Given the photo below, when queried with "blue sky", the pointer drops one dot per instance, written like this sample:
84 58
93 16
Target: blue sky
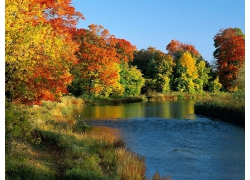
155 23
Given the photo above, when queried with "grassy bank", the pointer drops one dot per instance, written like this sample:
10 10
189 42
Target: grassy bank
174 96
112 100
229 107
58 147
152 96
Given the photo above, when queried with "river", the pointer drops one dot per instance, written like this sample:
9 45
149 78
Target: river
174 140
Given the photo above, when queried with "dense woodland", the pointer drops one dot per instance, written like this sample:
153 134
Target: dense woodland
47 57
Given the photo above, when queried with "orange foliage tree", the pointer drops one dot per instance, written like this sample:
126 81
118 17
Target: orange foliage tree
230 55
97 69
102 59
39 49
177 47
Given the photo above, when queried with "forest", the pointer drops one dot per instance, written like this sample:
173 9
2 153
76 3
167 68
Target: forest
47 57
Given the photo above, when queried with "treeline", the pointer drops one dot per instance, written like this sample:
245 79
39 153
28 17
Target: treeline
47 56
112 67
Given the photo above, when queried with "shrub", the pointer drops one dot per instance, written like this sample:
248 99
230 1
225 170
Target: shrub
87 168
17 125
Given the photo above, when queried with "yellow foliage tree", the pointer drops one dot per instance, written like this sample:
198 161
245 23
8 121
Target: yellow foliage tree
188 62
37 54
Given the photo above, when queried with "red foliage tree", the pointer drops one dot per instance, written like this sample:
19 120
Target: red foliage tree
176 46
230 55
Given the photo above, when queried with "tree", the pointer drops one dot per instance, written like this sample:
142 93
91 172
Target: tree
186 73
190 72
230 55
131 80
215 85
240 81
39 49
203 72
156 67
97 67
176 49
101 58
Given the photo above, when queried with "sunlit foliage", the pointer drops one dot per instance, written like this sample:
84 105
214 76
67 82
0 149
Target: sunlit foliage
230 55
39 49
101 58
156 67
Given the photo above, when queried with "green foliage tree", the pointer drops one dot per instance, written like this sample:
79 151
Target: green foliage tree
131 80
203 72
215 85
240 81
156 67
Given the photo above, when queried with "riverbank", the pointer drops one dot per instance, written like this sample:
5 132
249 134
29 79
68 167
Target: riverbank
47 142
152 96
58 146
228 107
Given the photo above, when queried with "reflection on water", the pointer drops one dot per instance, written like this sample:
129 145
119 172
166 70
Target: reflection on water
169 110
174 140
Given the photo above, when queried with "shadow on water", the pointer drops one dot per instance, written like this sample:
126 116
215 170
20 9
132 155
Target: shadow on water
174 140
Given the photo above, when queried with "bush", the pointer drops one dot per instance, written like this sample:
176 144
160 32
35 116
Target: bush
17 125
19 169
87 168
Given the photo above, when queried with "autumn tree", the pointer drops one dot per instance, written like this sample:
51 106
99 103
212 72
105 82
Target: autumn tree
39 49
186 73
215 85
103 64
131 78
204 74
98 65
175 48
191 72
156 67
230 55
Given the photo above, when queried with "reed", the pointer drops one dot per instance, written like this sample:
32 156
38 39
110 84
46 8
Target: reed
174 96
229 107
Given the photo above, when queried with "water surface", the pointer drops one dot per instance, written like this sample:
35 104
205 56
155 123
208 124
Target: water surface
174 140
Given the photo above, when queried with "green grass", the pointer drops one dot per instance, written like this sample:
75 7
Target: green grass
67 149
229 107
112 100
174 96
